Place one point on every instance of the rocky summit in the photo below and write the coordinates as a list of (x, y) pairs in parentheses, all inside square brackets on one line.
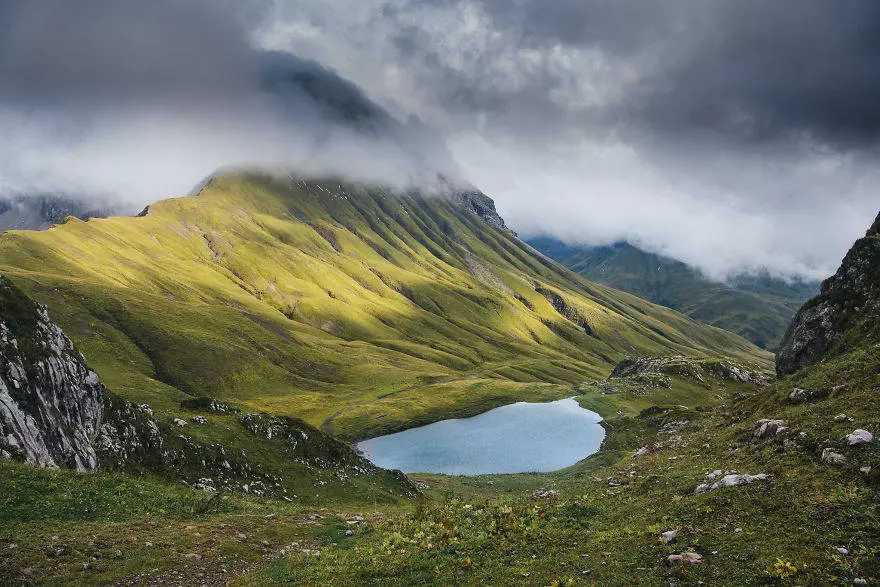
[(850, 298)]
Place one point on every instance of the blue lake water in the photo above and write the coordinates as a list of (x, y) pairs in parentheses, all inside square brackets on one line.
[(516, 438)]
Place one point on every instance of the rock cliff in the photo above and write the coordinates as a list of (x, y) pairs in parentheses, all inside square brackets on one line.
[(50, 401), (848, 299)]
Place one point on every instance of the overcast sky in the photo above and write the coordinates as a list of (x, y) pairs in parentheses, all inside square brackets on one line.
[(734, 135)]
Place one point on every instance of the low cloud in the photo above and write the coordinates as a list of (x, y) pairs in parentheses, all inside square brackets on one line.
[(135, 101)]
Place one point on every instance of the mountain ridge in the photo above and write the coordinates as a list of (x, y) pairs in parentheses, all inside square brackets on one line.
[(758, 307), (272, 283)]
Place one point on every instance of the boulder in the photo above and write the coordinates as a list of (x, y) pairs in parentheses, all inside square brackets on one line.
[(769, 428), (859, 437), (833, 458), (800, 396), (687, 558), (731, 480)]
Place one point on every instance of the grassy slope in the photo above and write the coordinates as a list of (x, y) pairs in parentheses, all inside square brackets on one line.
[(350, 308), (758, 309), (486, 529)]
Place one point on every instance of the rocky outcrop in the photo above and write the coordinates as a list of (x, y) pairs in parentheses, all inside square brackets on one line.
[(50, 401), (850, 298), (482, 205)]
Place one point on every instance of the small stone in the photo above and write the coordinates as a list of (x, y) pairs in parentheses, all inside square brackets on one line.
[(860, 581), (348, 532), (179, 423), (586, 572), (669, 536), (690, 558), (200, 420), (769, 428), (641, 452), (544, 494), (859, 437), (842, 551), (241, 537), (737, 530), (840, 418), (865, 470), (832, 458), (193, 556), (799, 395)]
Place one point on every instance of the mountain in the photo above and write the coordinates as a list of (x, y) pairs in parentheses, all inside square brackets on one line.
[(757, 307), (39, 211), (358, 309)]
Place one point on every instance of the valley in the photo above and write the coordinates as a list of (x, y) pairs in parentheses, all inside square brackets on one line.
[(249, 334)]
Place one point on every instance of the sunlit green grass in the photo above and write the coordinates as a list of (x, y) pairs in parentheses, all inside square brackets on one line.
[(306, 298)]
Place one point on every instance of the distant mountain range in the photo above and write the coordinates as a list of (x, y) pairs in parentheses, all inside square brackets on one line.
[(37, 212), (758, 307)]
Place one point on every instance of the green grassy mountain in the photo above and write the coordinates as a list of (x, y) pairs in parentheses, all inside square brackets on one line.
[(354, 309), (757, 307)]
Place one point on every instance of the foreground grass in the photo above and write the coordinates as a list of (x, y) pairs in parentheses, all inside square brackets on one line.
[(603, 526)]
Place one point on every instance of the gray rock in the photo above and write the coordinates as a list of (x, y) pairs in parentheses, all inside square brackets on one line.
[(731, 480), (850, 297), (842, 551), (179, 423), (50, 401), (799, 396), (858, 437), (544, 494), (641, 452), (769, 428), (669, 536), (860, 581), (840, 418), (833, 458)]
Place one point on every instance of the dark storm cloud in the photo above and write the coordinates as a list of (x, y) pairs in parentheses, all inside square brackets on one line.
[(747, 69)]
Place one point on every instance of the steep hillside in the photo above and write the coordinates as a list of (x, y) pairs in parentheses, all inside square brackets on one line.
[(55, 413), (353, 308), (756, 307)]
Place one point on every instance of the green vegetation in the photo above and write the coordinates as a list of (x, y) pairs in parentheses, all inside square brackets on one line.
[(351, 308), (758, 308)]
